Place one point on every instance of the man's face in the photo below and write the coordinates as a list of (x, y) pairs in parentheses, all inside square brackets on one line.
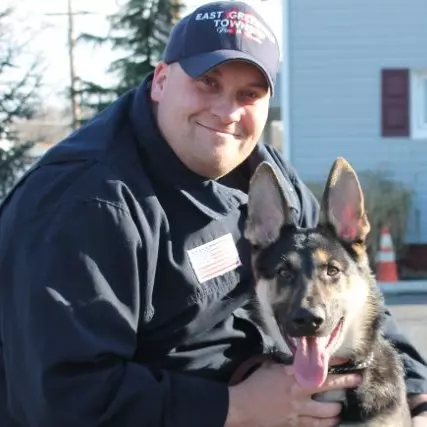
[(213, 122)]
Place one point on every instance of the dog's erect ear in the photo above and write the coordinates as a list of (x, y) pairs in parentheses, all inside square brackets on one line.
[(268, 209), (343, 204)]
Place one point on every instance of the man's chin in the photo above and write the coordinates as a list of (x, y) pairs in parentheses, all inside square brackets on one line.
[(219, 166)]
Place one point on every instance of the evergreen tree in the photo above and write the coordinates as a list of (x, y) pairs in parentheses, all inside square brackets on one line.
[(139, 31), (13, 162), (18, 88)]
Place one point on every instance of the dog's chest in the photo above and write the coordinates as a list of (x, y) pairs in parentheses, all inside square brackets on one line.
[(341, 397)]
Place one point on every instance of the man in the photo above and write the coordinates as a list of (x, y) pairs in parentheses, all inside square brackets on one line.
[(112, 312)]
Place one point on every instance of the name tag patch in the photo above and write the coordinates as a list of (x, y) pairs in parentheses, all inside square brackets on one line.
[(214, 258)]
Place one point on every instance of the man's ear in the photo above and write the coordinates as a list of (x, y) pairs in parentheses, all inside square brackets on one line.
[(159, 81)]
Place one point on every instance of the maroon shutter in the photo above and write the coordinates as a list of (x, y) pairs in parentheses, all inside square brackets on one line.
[(395, 102)]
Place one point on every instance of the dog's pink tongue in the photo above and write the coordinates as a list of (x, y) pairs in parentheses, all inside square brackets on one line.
[(311, 361)]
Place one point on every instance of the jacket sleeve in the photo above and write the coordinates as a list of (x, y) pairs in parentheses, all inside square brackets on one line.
[(308, 215), (76, 304), (415, 365)]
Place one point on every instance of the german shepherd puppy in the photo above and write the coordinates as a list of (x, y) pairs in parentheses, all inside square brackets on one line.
[(317, 297)]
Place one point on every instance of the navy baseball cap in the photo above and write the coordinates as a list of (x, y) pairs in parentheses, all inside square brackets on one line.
[(223, 31)]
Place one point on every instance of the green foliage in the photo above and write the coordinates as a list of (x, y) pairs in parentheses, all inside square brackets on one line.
[(13, 163), (18, 100), (139, 32)]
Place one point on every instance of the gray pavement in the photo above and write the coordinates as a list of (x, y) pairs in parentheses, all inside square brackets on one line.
[(411, 314)]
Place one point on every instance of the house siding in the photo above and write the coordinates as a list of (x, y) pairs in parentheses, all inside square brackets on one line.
[(337, 51)]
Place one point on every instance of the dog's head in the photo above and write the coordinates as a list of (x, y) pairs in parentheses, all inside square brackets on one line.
[(315, 283)]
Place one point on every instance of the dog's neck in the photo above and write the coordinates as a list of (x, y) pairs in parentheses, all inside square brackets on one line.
[(352, 366), (273, 354)]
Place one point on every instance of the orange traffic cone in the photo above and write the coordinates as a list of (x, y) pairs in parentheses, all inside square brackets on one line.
[(386, 261)]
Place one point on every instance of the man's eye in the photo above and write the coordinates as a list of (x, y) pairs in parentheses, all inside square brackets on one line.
[(249, 95), (208, 81)]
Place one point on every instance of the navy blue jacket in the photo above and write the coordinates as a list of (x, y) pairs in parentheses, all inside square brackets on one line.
[(102, 319)]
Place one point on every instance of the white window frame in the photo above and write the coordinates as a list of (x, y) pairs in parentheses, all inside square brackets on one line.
[(418, 110)]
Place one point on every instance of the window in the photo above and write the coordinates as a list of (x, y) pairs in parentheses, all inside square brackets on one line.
[(404, 103), (418, 110), (395, 103)]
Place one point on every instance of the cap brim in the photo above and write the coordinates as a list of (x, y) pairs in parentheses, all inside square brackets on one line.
[(197, 65)]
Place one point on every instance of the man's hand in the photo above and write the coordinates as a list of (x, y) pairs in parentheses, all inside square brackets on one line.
[(420, 420), (271, 397)]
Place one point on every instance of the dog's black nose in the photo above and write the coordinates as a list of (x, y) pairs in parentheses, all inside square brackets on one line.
[(307, 321)]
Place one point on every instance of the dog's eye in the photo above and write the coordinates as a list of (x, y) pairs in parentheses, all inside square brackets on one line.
[(285, 273), (332, 270)]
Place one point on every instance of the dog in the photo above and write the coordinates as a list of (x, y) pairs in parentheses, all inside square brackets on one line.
[(317, 297)]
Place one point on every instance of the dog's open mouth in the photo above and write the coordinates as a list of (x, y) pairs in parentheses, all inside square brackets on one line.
[(312, 354)]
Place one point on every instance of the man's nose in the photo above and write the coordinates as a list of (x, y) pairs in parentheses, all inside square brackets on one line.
[(227, 110)]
